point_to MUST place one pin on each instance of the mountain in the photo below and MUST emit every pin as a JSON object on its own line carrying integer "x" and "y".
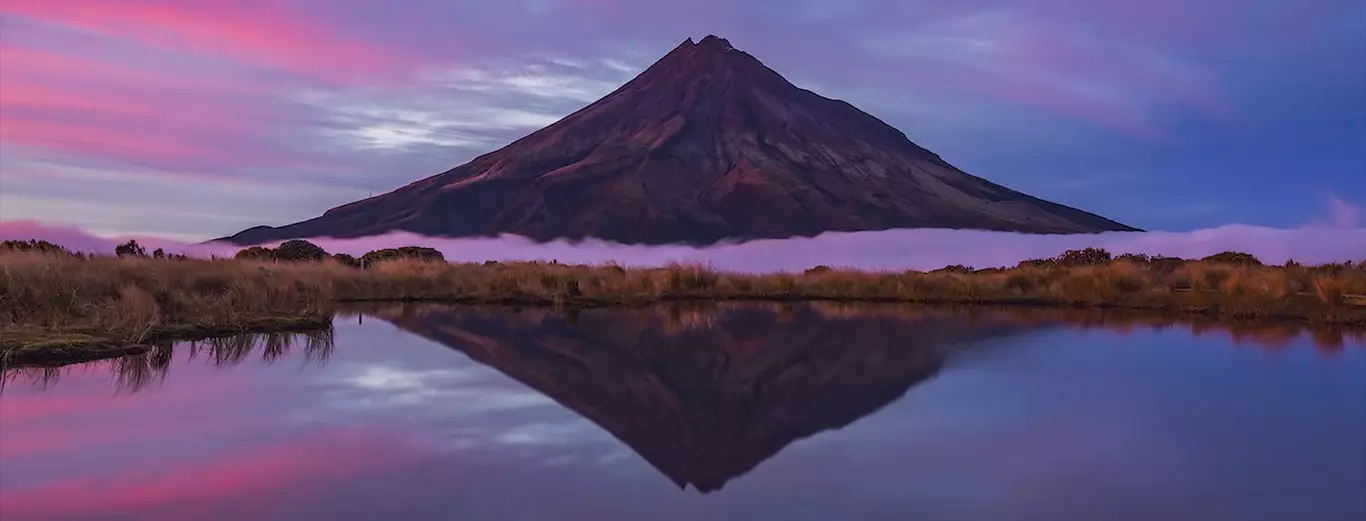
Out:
{"x": 706, "y": 145}
{"x": 705, "y": 394}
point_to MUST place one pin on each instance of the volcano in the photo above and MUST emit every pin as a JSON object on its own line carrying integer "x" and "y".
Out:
{"x": 706, "y": 145}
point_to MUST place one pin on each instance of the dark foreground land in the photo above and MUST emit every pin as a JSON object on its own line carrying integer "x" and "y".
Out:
{"x": 60, "y": 307}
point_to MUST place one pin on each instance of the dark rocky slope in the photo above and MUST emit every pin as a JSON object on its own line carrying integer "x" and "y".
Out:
{"x": 706, "y": 145}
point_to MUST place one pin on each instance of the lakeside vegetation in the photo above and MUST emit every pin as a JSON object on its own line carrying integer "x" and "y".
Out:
{"x": 56, "y": 302}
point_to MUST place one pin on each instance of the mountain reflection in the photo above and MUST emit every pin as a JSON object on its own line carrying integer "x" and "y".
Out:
{"x": 705, "y": 394}
{"x": 134, "y": 373}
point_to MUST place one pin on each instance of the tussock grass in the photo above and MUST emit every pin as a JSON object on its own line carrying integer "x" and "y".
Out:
{"x": 133, "y": 299}
{"x": 64, "y": 301}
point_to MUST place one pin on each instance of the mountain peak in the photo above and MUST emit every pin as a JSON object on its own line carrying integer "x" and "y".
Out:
{"x": 710, "y": 46}
{"x": 714, "y": 40}
{"x": 706, "y": 145}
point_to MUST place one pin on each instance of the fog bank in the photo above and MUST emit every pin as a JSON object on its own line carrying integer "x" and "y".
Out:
{"x": 920, "y": 249}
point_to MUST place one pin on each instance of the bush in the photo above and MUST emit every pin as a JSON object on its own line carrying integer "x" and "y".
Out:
{"x": 1166, "y": 264}
{"x": 346, "y": 260}
{"x": 256, "y": 253}
{"x": 956, "y": 268}
{"x": 289, "y": 251}
{"x": 130, "y": 249}
{"x": 818, "y": 270}
{"x": 1141, "y": 259}
{"x": 1084, "y": 257}
{"x": 1236, "y": 258}
{"x": 299, "y": 251}
{"x": 1036, "y": 263}
{"x": 34, "y": 246}
{"x": 406, "y": 252}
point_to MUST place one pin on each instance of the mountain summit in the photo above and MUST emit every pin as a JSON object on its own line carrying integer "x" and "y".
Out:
{"x": 705, "y": 145}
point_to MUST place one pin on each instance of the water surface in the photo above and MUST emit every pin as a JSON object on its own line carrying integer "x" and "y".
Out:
{"x": 755, "y": 412}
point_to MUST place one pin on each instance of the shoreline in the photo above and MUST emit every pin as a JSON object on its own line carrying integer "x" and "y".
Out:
{"x": 1351, "y": 316}
{"x": 41, "y": 348}
{"x": 54, "y": 305}
{"x": 54, "y": 351}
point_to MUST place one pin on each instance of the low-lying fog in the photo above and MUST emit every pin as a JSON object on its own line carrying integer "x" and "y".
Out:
{"x": 921, "y": 249}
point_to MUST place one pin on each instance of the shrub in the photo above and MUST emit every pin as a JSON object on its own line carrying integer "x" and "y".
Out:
{"x": 406, "y": 252}
{"x": 1165, "y": 264}
{"x": 346, "y": 260}
{"x": 299, "y": 251}
{"x": 256, "y": 253}
{"x": 35, "y": 246}
{"x": 955, "y": 268}
{"x": 1084, "y": 257}
{"x": 1233, "y": 257}
{"x": 130, "y": 249}
{"x": 818, "y": 270}
{"x": 1141, "y": 259}
{"x": 1036, "y": 263}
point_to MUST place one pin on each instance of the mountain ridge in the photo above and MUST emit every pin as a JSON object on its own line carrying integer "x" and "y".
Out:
{"x": 706, "y": 145}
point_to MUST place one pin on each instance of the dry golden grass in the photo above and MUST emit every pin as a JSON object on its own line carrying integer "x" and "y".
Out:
{"x": 59, "y": 301}
{"x": 130, "y": 300}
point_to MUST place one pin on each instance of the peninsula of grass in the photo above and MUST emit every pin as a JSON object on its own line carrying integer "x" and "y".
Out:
{"x": 52, "y": 301}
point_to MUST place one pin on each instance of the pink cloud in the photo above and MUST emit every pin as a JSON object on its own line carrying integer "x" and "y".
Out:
{"x": 51, "y": 68}
{"x": 1341, "y": 215}
{"x": 103, "y": 141}
{"x": 237, "y": 480}
{"x": 111, "y": 111}
{"x": 263, "y": 34}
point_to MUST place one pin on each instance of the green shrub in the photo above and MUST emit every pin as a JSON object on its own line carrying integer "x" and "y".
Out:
{"x": 1236, "y": 258}
{"x": 299, "y": 251}
{"x": 955, "y": 268}
{"x": 1036, "y": 263}
{"x": 130, "y": 249}
{"x": 1141, "y": 259}
{"x": 256, "y": 253}
{"x": 1084, "y": 257}
{"x": 406, "y": 252}
{"x": 35, "y": 246}
{"x": 346, "y": 260}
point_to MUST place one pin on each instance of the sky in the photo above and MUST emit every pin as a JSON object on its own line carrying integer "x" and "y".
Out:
{"x": 192, "y": 119}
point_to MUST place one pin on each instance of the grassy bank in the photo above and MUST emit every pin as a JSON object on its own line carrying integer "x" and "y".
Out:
{"x": 51, "y": 301}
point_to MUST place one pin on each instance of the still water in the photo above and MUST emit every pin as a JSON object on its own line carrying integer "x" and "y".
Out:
{"x": 756, "y": 412}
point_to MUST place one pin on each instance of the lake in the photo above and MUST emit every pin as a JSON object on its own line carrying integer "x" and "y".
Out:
{"x": 733, "y": 412}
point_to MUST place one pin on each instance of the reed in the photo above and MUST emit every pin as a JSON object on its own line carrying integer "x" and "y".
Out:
{"x": 49, "y": 299}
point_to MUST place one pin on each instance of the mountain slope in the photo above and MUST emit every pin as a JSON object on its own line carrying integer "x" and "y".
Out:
{"x": 707, "y": 144}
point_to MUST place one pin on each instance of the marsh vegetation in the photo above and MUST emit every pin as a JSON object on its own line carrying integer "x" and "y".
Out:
{"x": 52, "y": 300}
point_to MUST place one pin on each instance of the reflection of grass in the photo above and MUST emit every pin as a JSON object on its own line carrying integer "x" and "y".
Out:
{"x": 149, "y": 366}
{"x": 57, "y": 302}
{"x": 683, "y": 316}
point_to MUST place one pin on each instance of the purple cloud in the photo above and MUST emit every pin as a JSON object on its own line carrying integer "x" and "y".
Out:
{"x": 1140, "y": 101}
